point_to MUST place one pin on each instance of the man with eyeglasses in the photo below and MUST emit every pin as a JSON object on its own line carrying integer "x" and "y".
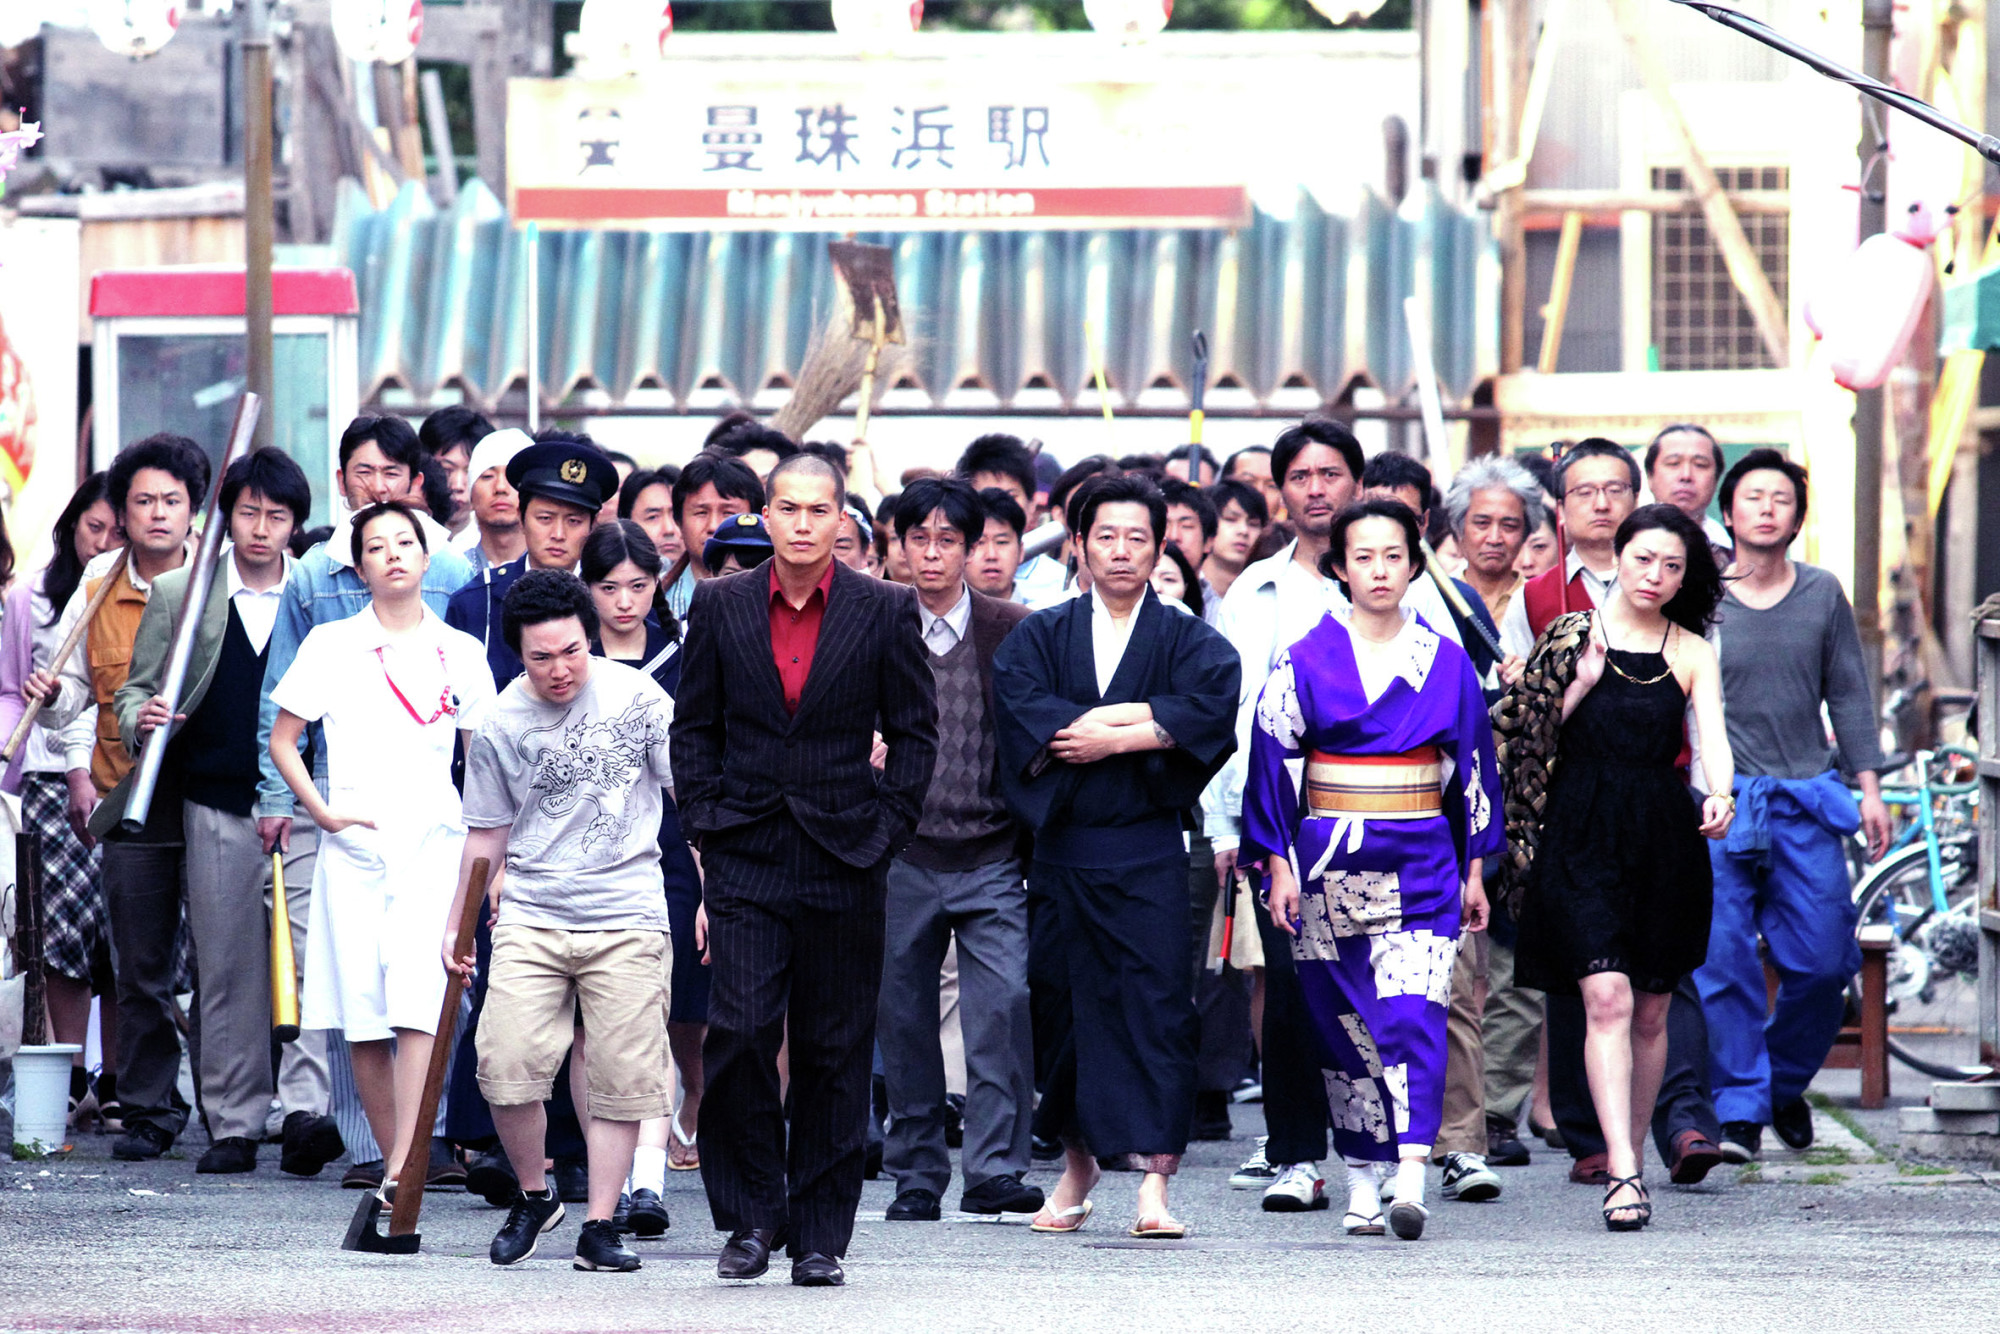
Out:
{"x": 1599, "y": 482}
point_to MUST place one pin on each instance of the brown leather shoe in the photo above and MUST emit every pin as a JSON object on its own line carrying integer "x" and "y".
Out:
{"x": 1594, "y": 1170}
{"x": 1695, "y": 1155}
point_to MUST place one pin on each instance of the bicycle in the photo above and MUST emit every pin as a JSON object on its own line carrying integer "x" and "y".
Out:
{"x": 1925, "y": 891}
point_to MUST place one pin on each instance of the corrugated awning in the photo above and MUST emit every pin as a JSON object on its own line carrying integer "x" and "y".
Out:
{"x": 1297, "y": 310}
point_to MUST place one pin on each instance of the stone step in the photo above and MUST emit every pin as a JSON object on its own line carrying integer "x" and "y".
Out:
{"x": 1962, "y": 1097}
{"x": 1926, "y": 1121}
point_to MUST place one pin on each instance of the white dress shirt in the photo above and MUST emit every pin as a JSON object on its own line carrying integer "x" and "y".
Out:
{"x": 256, "y": 608}
{"x": 942, "y": 633}
{"x": 1517, "y": 638}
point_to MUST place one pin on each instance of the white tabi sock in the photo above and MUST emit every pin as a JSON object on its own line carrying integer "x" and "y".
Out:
{"x": 1410, "y": 1181}
{"x": 649, "y": 1169}
{"x": 1362, "y": 1198}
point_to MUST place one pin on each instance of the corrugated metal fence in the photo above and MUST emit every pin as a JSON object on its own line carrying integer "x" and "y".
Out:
{"x": 1297, "y": 310}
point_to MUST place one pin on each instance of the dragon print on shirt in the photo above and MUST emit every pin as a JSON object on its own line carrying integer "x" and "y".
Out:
{"x": 596, "y": 762}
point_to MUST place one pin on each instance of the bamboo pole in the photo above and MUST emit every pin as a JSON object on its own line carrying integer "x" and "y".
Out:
{"x": 1557, "y": 311}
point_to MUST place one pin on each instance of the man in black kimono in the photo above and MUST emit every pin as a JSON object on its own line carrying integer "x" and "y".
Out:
{"x": 1114, "y": 711}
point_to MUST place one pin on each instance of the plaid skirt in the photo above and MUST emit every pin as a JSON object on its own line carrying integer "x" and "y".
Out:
{"x": 76, "y": 923}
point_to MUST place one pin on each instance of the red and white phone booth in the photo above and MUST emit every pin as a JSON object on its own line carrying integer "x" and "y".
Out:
{"x": 169, "y": 356}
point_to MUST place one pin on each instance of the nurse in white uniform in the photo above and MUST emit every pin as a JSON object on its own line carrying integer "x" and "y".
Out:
{"x": 391, "y": 685}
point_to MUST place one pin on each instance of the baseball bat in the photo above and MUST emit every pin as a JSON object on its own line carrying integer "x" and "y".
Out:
{"x": 284, "y": 967}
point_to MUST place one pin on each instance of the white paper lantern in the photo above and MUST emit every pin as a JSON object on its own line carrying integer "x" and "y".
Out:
{"x": 379, "y": 30}
{"x": 135, "y": 28}
{"x": 877, "y": 24}
{"x": 1128, "y": 20}
{"x": 622, "y": 36}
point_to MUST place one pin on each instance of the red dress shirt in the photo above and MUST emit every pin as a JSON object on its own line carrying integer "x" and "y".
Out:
{"x": 795, "y": 634}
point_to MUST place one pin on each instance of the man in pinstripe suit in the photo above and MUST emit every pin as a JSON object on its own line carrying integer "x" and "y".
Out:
{"x": 789, "y": 671}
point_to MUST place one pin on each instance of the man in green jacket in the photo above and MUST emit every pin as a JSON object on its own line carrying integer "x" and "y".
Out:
{"x": 211, "y": 766}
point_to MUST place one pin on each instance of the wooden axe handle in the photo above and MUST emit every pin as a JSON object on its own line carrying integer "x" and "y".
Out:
{"x": 90, "y": 609}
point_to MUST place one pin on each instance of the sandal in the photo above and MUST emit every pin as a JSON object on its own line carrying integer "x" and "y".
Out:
{"x": 682, "y": 1155}
{"x": 1062, "y": 1220}
{"x": 1363, "y": 1225}
{"x": 1156, "y": 1228}
{"x": 1641, "y": 1208}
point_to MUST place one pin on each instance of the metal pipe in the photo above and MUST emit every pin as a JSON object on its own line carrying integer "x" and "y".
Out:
{"x": 1870, "y": 405}
{"x": 1044, "y": 540}
{"x": 258, "y": 211}
{"x": 201, "y": 576}
{"x": 534, "y": 238}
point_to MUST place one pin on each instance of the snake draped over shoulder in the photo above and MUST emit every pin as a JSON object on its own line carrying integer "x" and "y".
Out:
{"x": 1526, "y": 723}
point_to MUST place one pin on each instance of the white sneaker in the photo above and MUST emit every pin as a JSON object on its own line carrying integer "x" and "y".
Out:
{"x": 1299, "y": 1188}
{"x": 1468, "y": 1178}
{"x": 1256, "y": 1172}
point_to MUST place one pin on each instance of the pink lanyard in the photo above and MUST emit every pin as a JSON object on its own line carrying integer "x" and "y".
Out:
{"x": 445, "y": 704}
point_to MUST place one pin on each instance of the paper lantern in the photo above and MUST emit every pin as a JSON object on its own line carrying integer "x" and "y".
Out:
{"x": 621, "y": 36}
{"x": 135, "y": 28}
{"x": 1866, "y": 312}
{"x": 1128, "y": 20}
{"x": 379, "y": 30}
{"x": 877, "y": 23}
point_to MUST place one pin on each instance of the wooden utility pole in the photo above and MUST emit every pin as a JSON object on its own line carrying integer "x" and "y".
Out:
{"x": 1869, "y": 416}
{"x": 258, "y": 213}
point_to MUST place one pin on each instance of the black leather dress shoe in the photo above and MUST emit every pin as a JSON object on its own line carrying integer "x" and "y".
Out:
{"x": 747, "y": 1253}
{"x": 572, "y": 1180}
{"x": 817, "y": 1271}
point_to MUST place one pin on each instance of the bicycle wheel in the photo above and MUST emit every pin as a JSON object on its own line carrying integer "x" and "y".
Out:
{"x": 1933, "y": 970}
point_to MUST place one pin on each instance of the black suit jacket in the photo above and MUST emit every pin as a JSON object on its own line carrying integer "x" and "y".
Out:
{"x": 738, "y": 758}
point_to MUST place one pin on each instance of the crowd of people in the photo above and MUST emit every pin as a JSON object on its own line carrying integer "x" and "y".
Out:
{"x": 830, "y": 830}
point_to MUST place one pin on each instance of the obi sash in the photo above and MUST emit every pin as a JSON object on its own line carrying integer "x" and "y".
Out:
{"x": 1375, "y": 787}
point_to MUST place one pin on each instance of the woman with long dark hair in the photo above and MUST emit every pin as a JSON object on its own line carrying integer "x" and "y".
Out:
{"x": 76, "y": 940}
{"x": 1618, "y": 896}
{"x": 622, "y": 569}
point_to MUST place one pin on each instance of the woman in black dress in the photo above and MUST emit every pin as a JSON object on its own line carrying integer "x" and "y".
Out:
{"x": 1618, "y": 900}
{"x": 622, "y": 568}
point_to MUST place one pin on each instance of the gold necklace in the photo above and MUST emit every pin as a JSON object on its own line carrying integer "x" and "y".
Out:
{"x": 1650, "y": 680}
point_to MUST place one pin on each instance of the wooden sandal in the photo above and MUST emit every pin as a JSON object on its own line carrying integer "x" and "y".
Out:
{"x": 1641, "y": 1207}
{"x": 1062, "y": 1220}
{"x": 682, "y": 1155}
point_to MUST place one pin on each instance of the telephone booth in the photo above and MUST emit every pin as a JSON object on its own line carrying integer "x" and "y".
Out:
{"x": 169, "y": 355}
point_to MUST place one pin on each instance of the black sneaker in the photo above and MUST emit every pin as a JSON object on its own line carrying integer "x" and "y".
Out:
{"x": 572, "y": 1180}
{"x": 1003, "y": 1194}
{"x": 141, "y": 1141}
{"x": 309, "y": 1143}
{"x": 598, "y": 1248}
{"x": 648, "y": 1216}
{"x": 491, "y": 1177}
{"x": 915, "y": 1205}
{"x": 1741, "y": 1141}
{"x": 531, "y": 1216}
{"x": 1503, "y": 1144}
{"x": 1794, "y": 1124}
{"x": 232, "y": 1153}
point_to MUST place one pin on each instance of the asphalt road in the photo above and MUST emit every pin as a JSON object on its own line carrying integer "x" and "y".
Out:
{"x": 1837, "y": 1242}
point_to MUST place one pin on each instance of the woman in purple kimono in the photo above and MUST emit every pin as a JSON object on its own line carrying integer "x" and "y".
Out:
{"x": 1372, "y": 795}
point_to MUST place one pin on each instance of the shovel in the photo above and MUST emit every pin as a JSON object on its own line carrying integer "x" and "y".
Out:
{"x": 364, "y": 1232}
{"x": 870, "y": 274}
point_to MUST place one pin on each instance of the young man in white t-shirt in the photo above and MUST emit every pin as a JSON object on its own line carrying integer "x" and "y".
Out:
{"x": 563, "y": 784}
